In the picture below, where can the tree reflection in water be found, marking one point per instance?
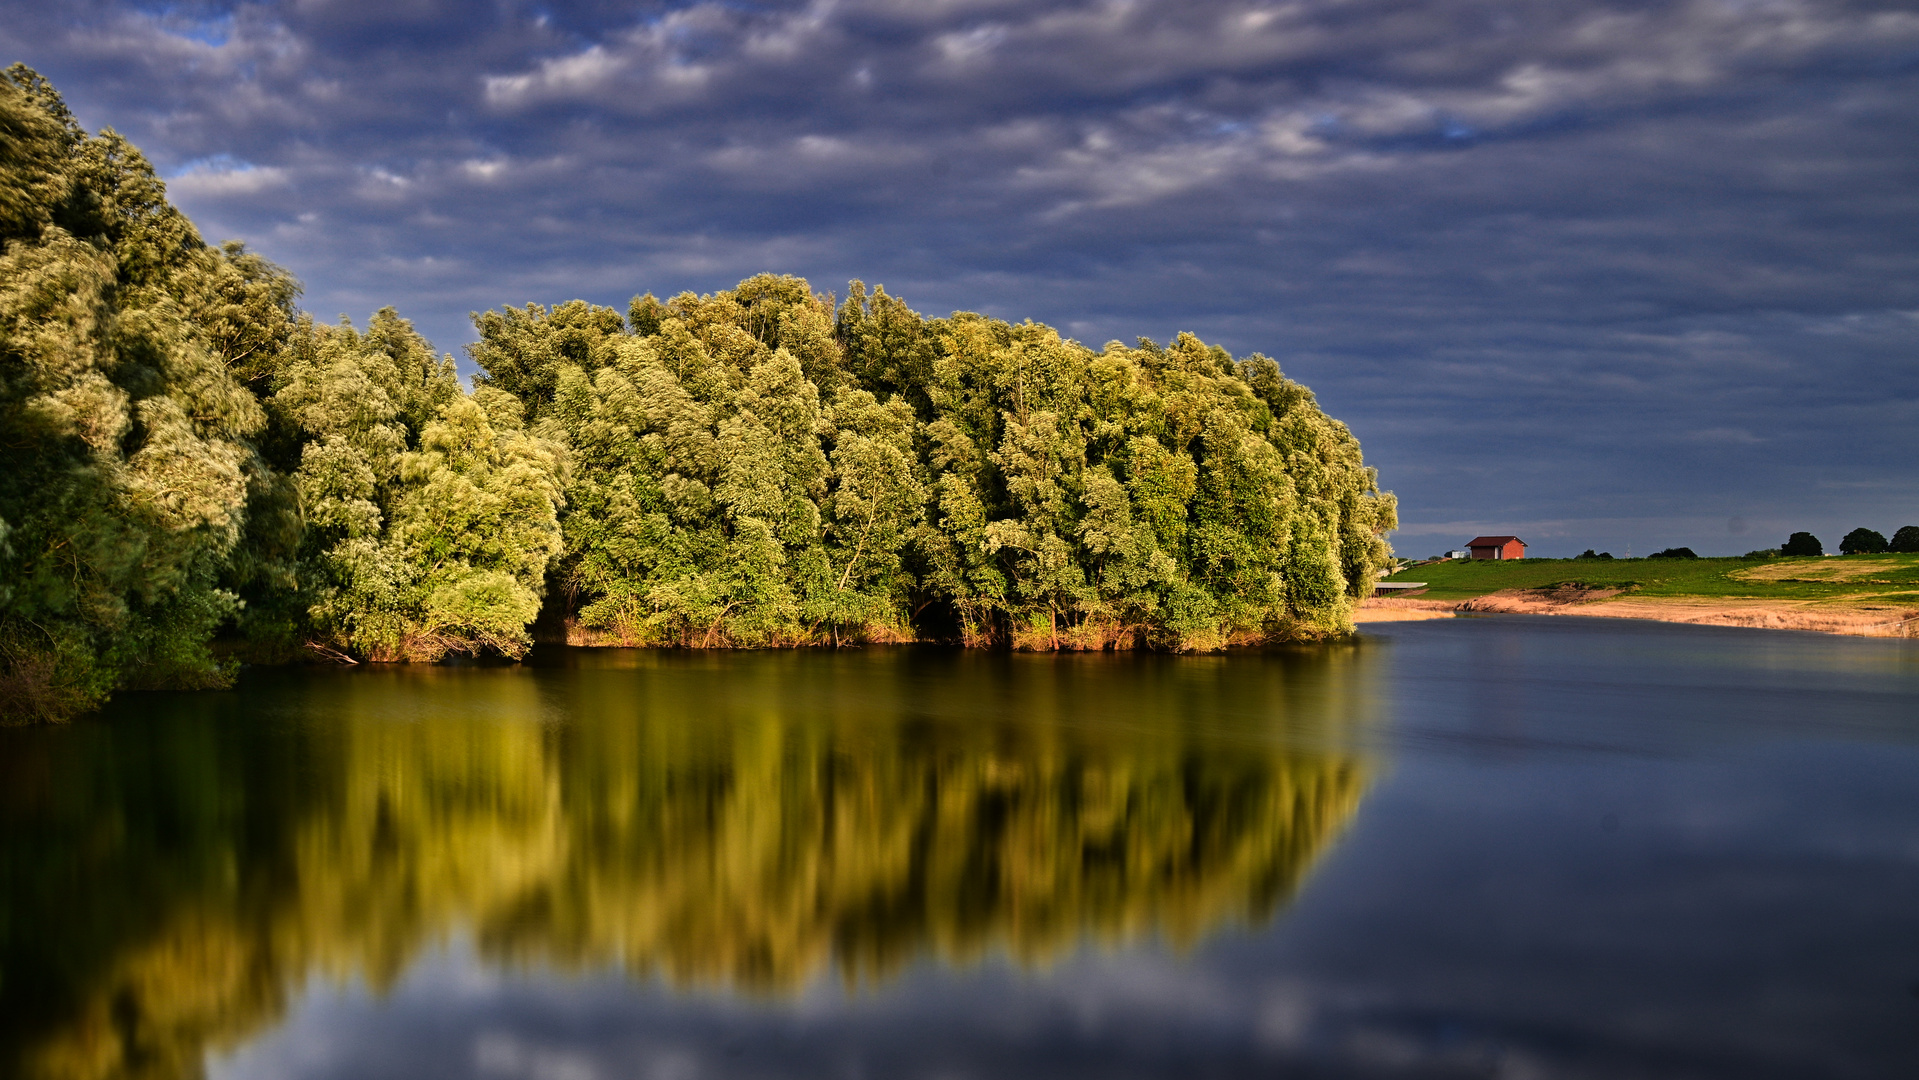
(173, 872)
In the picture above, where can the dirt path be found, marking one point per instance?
(1860, 620)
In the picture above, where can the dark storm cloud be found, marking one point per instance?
(1598, 273)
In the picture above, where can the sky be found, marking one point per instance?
(1611, 275)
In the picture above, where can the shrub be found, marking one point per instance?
(1862, 542)
(1905, 540)
(1674, 553)
(1802, 543)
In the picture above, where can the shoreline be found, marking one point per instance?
(1856, 620)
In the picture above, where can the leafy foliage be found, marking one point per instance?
(430, 518)
(755, 467)
(1906, 539)
(1862, 542)
(183, 451)
(1802, 543)
(1674, 553)
(128, 468)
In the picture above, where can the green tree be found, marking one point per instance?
(873, 504)
(718, 495)
(1905, 540)
(129, 460)
(1169, 497)
(748, 472)
(1862, 542)
(521, 350)
(431, 516)
(887, 345)
(1802, 543)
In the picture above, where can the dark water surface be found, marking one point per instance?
(1490, 847)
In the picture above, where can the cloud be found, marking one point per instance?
(582, 72)
(1543, 259)
(225, 179)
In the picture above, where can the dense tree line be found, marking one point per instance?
(1860, 541)
(761, 467)
(1863, 541)
(184, 451)
(135, 500)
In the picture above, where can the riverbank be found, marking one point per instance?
(1864, 621)
(1859, 595)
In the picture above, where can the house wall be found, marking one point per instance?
(1511, 550)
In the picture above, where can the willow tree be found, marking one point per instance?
(431, 515)
(717, 496)
(759, 467)
(128, 465)
(1167, 497)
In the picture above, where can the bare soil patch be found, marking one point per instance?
(1552, 600)
(1860, 620)
(1403, 609)
(1840, 569)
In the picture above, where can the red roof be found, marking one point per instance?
(1493, 541)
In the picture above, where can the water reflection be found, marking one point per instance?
(171, 874)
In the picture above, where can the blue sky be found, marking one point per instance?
(1600, 274)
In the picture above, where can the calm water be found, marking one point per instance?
(1488, 847)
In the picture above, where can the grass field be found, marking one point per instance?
(1840, 579)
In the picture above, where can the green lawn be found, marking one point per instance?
(1849, 577)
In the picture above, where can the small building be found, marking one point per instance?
(1497, 547)
(1459, 553)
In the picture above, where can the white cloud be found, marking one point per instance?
(484, 170)
(226, 180)
(583, 71)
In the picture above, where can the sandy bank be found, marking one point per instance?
(1394, 609)
(1859, 620)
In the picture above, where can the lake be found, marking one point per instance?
(1489, 847)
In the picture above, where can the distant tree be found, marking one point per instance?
(1802, 543)
(1905, 540)
(1762, 553)
(1862, 542)
(1674, 553)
